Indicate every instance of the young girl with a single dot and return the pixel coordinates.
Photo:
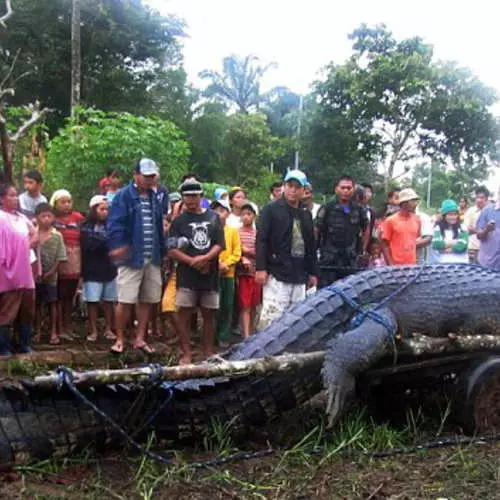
(67, 221)
(237, 198)
(376, 256)
(450, 237)
(98, 271)
(249, 292)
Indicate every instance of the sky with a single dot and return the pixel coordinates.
(303, 36)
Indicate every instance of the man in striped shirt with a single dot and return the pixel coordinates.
(136, 241)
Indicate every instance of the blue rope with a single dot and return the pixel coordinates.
(372, 313)
(65, 378)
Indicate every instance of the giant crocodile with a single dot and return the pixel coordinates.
(436, 300)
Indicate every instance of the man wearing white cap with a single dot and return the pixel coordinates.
(286, 251)
(401, 231)
(137, 242)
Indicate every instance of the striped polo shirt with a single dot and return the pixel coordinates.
(147, 227)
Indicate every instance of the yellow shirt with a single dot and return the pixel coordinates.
(232, 254)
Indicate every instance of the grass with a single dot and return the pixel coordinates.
(317, 463)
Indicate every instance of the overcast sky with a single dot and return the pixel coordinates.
(303, 36)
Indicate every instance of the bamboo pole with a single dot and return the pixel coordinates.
(232, 369)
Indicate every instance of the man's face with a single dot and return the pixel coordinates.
(481, 200)
(410, 206)
(344, 190)
(144, 182)
(277, 192)
(293, 191)
(31, 185)
(192, 202)
(368, 194)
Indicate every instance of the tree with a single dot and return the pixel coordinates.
(394, 95)
(93, 141)
(248, 148)
(124, 47)
(76, 56)
(238, 84)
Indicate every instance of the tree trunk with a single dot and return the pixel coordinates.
(7, 150)
(76, 57)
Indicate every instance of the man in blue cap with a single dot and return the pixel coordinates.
(286, 254)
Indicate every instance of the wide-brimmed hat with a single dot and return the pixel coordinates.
(408, 195)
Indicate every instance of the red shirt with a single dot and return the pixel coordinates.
(69, 227)
(401, 233)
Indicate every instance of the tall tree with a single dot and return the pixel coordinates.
(392, 92)
(76, 57)
(124, 48)
(239, 83)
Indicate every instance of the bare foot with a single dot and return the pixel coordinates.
(116, 348)
(186, 359)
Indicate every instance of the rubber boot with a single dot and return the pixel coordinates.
(25, 332)
(5, 347)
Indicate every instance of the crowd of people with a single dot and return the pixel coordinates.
(141, 256)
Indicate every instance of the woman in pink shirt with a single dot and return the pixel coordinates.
(17, 286)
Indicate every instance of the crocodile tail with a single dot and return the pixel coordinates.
(351, 354)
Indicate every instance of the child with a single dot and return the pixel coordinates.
(249, 292)
(52, 253)
(228, 259)
(32, 197)
(67, 221)
(98, 272)
(114, 183)
(376, 256)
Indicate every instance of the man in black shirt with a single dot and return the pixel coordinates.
(198, 266)
(342, 233)
(286, 254)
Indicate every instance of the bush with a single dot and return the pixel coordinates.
(94, 141)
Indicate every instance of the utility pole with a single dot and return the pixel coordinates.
(429, 185)
(299, 126)
(76, 57)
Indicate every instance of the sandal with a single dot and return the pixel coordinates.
(116, 348)
(144, 347)
(67, 336)
(55, 340)
(92, 337)
(109, 335)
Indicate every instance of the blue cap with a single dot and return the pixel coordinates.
(296, 175)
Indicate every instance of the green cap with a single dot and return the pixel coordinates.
(449, 206)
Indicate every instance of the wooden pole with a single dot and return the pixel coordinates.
(231, 369)
(76, 56)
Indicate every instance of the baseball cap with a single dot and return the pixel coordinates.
(190, 187)
(221, 203)
(97, 200)
(296, 175)
(448, 206)
(147, 167)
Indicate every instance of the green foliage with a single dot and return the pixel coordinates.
(391, 103)
(125, 45)
(238, 84)
(94, 141)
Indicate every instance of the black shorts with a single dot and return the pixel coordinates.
(46, 294)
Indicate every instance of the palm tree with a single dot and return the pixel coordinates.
(239, 83)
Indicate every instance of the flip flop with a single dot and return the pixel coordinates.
(54, 341)
(92, 338)
(145, 348)
(116, 348)
(109, 335)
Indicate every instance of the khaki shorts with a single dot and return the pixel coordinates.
(168, 300)
(196, 298)
(139, 285)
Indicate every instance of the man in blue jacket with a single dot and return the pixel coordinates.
(137, 243)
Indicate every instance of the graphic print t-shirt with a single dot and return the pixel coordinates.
(203, 232)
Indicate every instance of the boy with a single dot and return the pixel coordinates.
(114, 179)
(228, 259)
(52, 253)
(197, 266)
(249, 292)
(32, 197)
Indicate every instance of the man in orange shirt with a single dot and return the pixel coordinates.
(401, 231)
